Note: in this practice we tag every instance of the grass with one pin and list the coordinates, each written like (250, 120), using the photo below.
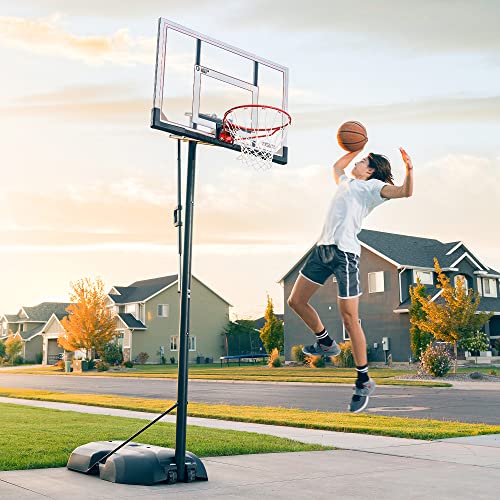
(330, 375)
(341, 422)
(39, 437)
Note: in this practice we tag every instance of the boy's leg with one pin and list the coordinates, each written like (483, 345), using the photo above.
(298, 301)
(302, 291)
(348, 309)
(364, 386)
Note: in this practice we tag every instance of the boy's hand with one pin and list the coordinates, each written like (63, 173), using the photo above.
(406, 159)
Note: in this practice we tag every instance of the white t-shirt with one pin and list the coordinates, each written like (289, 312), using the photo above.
(352, 202)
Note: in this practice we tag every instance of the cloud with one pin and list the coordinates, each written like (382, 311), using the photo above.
(426, 111)
(139, 210)
(115, 8)
(424, 26)
(48, 36)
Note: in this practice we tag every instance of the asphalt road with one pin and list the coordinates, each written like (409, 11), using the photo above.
(414, 402)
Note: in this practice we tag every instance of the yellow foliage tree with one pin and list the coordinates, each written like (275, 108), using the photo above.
(89, 325)
(456, 318)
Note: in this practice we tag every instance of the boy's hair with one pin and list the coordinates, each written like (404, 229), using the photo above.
(382, 168)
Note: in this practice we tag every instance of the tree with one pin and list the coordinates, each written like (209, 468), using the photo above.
(477, 342)
(89, 324)
(419, 339)
(13, 347)
(2, 349)
(456, 318)
(272, 333)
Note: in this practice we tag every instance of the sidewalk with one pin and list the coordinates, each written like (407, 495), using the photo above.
(377, 467)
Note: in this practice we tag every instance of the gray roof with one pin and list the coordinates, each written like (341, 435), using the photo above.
(33, 331)
(259, 323)
(141, 290)
(12, 318)
(413, 250)
(43, 311)
(131, 321)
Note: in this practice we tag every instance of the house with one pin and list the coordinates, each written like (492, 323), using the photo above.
(389, 265)
(28, 325)
(148, 316)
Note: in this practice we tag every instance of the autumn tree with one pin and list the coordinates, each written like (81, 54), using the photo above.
(89, 324)
(455, 318)
(272, 333)
(419, 339)
(13, 348)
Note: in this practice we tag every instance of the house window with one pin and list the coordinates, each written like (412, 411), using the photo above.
(334, 279)
(480, 286)
(132, 309)
(490, 287)
(192, 342)
(376, 282)
(163, 310)
(455, 281)
(345, 333)
(425, 277)
(173, 343)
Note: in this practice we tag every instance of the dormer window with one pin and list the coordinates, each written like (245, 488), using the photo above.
(132, 309)
(425, 277)
(490, 287)
(464, 281)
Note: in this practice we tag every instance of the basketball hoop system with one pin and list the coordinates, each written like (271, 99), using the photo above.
(259, 130)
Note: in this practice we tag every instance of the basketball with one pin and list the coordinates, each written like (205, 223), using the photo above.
(352, 136)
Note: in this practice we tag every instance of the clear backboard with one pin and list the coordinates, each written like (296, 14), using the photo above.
(198, 79)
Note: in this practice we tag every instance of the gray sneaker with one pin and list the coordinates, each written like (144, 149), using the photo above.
(361, 396)
(317, 349)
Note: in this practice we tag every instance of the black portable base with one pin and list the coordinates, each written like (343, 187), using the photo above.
(135, 463)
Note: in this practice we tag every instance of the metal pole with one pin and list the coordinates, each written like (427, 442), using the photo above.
(178, 215)
(180, 435)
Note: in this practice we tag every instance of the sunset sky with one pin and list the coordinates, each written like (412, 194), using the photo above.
(88, 189)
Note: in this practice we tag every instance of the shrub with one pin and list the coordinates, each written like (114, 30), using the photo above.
(172, 360)
(141, 358)
(2, 349)
(39, 358)
(111, 353)
(345, 359)
(274, 359)
(128, 364)
(316, 361)
(436, 361)
(102, 366)
(297, 354)
(60, 365)
(17, 360)
(493, 372)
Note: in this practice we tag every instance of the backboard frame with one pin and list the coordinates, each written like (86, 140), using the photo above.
(160, 122)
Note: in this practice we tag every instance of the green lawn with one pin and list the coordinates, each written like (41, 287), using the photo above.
(38, 437)
(329, 374)
(341, 422)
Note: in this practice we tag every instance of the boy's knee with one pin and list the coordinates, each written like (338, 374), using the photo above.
(293, 302)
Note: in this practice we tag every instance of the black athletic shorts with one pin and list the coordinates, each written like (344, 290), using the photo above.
(326, 260)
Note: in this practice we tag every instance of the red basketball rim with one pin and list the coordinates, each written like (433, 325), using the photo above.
(253, 129)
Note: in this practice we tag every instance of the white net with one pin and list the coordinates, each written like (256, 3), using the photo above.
(260, 131)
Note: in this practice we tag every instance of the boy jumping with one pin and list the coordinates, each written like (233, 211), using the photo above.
(337, 252)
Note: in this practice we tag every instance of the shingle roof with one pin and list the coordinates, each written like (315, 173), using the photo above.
(29, 333)
(259, 323)
(43, 311)
(131, 321)
(12, 318)
(413, 250)
(141, 290)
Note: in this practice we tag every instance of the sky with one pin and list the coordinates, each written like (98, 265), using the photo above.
(88, 188)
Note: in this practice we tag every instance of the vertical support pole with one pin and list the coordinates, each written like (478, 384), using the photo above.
(178, 221)
(182, 380)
